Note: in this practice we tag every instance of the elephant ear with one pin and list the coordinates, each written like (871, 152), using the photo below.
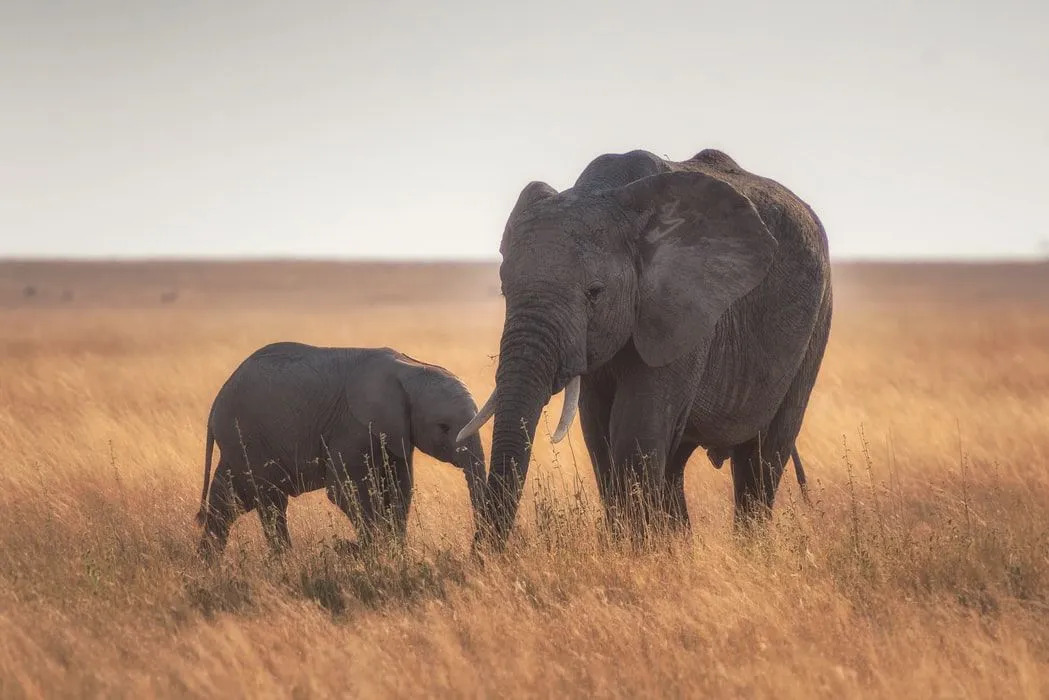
(702, 246)
(379, 403)
(533, 192)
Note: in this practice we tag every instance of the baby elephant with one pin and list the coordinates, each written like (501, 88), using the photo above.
(294, 418)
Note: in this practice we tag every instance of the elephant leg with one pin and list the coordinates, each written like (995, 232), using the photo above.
(223, 508)
(347, 485)
(637, 484)
(756, 476)
(386, 510)
(595, 412)
(273, 513)
(674, 486)
(756, 470)
(345, 493)
(650, 411)
(397, 495)
(364, 489)
(642, 439)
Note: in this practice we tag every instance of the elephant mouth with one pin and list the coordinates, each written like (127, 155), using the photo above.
(563, 376)
(560, 382)
(565, 379)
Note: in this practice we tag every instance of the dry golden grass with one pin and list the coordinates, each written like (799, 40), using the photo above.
(921, 571)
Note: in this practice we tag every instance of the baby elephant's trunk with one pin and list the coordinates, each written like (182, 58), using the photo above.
(209, 448)
(470, 458)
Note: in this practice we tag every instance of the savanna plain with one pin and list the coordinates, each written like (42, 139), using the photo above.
(920, 569)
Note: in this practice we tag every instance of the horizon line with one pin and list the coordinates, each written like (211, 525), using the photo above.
(380, 260)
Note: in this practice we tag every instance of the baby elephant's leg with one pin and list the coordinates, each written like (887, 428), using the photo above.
(397, 495)
(385, 497)
(222, 510)
(348, 489)
(273, 512)
(375, 495)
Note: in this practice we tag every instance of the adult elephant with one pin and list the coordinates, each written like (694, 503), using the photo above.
(679, 305)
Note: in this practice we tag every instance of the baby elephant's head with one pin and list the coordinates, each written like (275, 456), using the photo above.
(440, 408)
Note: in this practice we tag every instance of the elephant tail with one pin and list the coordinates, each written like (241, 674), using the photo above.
(209, 448)
(799, 471)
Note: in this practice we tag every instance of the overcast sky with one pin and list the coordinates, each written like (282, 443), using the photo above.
(407, 129)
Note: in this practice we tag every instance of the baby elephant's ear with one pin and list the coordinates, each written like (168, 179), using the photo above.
(533, 192)
(380, 403)
(703, 246)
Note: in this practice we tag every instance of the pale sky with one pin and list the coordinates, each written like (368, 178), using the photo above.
(407, 129)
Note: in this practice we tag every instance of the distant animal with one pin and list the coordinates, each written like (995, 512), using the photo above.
(679, 305)
(294, 418)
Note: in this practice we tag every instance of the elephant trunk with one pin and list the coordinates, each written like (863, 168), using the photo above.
(470, 458)
(528, 365)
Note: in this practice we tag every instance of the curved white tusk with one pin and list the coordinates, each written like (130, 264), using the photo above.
(568, 410)
(482, 417)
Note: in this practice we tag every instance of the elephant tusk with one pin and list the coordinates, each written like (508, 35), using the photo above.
(482, 417)
(568, 411)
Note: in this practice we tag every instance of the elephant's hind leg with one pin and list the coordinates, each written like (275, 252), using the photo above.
(755, 477)
(223, 509)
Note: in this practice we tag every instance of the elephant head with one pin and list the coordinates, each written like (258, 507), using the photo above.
(655, 263)
(439, 407)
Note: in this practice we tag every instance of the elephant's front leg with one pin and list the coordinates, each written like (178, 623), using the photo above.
(397, 494)
(674, 486)
(649, 413)
(273, 513)
(595, 414)
(637, 484)
(348, 487)
(644, 433)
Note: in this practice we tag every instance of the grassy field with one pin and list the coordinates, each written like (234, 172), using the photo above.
(921, 570)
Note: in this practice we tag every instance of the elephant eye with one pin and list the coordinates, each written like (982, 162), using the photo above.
(594, 290)
(445, 428)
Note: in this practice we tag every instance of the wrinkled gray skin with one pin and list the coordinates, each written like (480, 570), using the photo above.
(694, 300)
(306, 418)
